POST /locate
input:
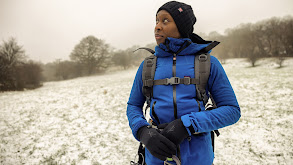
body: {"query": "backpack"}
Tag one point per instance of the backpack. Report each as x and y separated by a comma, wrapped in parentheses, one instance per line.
(202, 65)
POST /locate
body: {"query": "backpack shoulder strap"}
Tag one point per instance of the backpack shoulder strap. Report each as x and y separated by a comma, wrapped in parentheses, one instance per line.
(148, 75)
(202, 66)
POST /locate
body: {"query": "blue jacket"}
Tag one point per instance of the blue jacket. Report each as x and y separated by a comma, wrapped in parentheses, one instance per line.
(199, 149)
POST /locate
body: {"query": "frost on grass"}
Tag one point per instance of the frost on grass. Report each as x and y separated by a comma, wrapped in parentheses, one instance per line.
(83, 121)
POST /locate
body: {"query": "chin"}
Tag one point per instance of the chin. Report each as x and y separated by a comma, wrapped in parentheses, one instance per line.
(160, 42)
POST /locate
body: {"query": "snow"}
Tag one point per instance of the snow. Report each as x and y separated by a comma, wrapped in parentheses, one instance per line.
(83, 120)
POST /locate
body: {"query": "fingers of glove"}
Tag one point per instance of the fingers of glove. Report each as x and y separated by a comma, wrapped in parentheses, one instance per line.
(171, 147)
(175, 138)
(159, 150)
(161, 155)
(162, 126)
(166, 149)
(161, 144)
(175, 131)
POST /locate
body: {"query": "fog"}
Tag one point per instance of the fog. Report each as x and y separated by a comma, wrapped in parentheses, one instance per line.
(49, 29)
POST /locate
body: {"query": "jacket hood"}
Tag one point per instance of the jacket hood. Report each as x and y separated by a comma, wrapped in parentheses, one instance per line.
(172, 45)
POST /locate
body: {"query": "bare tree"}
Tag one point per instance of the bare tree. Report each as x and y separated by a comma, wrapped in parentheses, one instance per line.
(285, 39)
(244, 42)
(122, 58)
(279, 42)
(11, 55)
(92, 53)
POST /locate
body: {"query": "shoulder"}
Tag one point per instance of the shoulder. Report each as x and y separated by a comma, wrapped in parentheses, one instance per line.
(216, 65)
(215, 61)
(139, 71)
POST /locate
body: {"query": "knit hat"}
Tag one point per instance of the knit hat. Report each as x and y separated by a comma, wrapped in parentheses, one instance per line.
(184, 19)
(183, 16)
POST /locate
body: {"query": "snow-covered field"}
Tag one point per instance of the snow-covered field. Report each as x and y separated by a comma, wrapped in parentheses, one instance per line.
(83, 121)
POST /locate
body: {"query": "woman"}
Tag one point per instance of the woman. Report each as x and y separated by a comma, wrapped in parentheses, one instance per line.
(187, 133)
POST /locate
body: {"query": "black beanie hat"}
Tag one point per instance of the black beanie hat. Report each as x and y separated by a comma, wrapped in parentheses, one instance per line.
(183, 16)
(184, 19)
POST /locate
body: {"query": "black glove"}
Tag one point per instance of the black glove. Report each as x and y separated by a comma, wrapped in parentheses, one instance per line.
(175, 131)
(158, 145)
(162, 126)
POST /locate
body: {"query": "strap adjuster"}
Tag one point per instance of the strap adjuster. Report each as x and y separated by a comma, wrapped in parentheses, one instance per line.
(186, 80)
(202, 57)
(148, 83)
(173, 81)
(149, 63)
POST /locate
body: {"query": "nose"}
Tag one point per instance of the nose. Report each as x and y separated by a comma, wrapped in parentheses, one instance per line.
(158, 27)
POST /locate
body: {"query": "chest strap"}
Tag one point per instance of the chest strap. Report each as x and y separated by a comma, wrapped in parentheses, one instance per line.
(171, 81)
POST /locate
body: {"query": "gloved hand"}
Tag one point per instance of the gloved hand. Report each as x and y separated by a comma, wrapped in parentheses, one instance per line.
(162, 126)
(158, 145)
(175, 131)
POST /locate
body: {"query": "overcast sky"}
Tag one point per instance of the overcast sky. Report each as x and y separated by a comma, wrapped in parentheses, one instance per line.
(49, 29)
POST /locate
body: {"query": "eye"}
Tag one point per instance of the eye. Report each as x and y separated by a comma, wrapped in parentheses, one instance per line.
(165, 20)
(157, 21)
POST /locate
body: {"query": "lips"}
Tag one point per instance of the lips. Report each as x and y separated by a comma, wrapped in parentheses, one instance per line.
(158, 36)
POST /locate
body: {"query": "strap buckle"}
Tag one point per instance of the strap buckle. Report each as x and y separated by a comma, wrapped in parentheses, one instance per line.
(173, 81)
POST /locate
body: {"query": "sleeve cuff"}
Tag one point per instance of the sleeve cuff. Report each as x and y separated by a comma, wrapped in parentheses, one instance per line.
(137, 126)
(190, 127)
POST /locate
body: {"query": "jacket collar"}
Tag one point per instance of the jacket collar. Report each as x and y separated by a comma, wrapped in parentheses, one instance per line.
(172, 45)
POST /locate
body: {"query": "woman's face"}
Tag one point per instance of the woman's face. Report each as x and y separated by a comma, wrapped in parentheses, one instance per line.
(165, 27)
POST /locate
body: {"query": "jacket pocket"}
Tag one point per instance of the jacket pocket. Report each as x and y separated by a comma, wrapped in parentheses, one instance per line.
(153, 113)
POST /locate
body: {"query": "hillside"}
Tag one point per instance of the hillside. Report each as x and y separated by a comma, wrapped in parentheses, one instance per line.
(83, 120)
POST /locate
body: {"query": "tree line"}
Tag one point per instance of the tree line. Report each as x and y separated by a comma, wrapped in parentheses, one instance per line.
(268, 38)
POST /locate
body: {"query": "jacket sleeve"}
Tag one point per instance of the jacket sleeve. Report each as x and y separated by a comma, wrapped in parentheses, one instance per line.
(135, 104)
(227, 111)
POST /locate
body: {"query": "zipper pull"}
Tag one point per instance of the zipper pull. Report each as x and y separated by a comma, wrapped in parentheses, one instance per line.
(174, 57)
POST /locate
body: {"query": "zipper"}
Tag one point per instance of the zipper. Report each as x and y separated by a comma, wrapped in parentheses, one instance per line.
(174, 86)
(185, 45)
(174, 98)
